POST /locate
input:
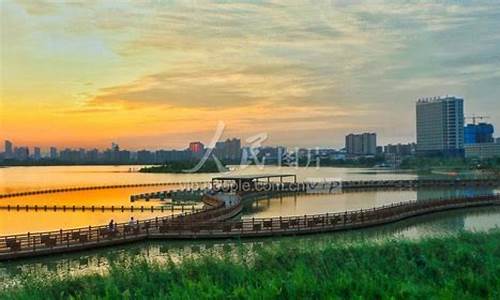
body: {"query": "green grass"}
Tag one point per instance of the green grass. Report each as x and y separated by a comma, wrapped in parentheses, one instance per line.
(490, 165)
(466, 266)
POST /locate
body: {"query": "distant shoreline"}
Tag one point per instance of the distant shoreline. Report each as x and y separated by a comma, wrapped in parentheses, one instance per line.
(185, 167)
(79, 165)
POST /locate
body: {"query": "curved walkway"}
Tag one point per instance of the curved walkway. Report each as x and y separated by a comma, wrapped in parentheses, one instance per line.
(215, 222)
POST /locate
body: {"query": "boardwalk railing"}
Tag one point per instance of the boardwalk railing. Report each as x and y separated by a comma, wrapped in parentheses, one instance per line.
(95, 236)
(97, 187)
(175, 195)
(292, 225)
(212, 223)
(102, 208)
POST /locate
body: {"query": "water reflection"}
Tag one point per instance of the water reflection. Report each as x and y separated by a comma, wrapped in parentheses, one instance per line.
(424, 194)
(300, 204)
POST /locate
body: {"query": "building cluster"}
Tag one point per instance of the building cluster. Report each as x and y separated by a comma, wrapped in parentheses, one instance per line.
(23, 154)
(439, 125)
(364, 144)
(227, 151)
(441, 130)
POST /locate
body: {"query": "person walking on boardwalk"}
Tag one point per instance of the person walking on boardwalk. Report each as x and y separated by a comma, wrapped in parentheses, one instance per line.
(111, 225)
(132, 223)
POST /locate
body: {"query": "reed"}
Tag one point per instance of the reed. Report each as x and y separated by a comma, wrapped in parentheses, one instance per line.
(454, 267)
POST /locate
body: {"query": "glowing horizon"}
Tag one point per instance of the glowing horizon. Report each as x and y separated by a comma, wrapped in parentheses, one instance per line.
(161, 74)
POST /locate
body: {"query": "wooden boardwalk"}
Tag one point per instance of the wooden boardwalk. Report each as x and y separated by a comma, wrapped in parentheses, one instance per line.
(101, 208)
(215, 222)
(97, 187)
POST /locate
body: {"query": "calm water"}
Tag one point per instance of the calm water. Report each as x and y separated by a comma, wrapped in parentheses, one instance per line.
(37, 178)
(317, 204)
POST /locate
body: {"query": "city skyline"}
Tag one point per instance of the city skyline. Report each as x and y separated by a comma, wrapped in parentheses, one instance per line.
(156, 76)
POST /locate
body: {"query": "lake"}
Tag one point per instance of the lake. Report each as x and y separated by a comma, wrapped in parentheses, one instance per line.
(17, 179)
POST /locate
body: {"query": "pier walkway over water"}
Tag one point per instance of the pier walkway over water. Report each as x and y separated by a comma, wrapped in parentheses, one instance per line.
(97, 187)
(216, 220)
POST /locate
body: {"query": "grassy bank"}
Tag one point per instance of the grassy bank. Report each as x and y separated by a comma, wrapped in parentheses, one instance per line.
(464, 266)
(491, 165)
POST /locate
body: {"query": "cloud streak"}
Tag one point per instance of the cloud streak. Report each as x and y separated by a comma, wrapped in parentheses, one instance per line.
(349, 59)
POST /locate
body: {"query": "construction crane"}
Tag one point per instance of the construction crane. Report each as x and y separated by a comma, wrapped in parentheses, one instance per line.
(474, 117)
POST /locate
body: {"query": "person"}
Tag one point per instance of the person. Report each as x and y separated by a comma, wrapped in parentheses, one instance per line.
(131, 222)
(111, 225)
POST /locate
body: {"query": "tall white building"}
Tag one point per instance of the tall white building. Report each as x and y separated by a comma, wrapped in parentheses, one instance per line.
(440, 126)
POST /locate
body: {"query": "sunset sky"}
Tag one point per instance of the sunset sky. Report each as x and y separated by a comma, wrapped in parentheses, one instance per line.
(159, 74)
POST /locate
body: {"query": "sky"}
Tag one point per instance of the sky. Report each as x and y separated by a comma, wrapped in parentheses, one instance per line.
(158, 74)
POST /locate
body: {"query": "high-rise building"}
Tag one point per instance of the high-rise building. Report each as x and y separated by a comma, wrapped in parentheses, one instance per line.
(482, 150)
(400, 149)
(361, 144)
(37, 154)
(9, 153)
(196, 147)
(166, 156)
(124, 156)
(21, 153)
(81, 154)
(115, 147)
(145, 157)
(270, 154)
(92, 155)
(478, 133)
(53, 153)
(440, 126)
(229, 150)
(69, 155)
(233, 149)
(113, 154)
